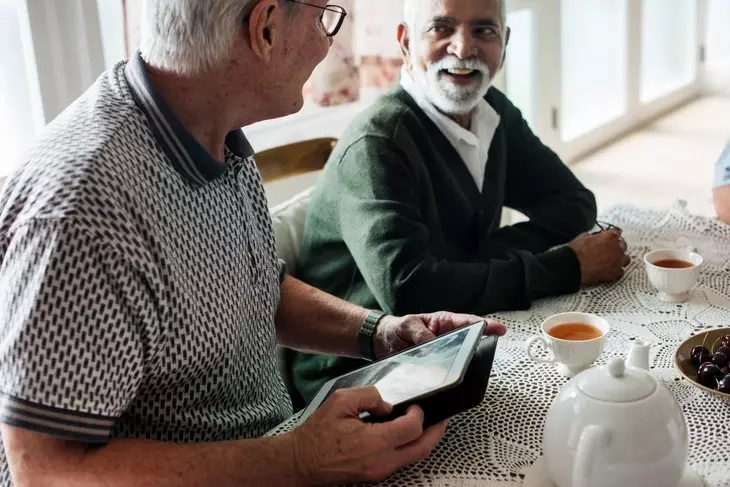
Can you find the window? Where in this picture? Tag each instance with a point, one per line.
(17, 121)
(669, 46)
(595, 62)
(718, 33)
(520, 64)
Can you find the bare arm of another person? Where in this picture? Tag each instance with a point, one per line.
(721, 190)
(721, 197)
(332, 448)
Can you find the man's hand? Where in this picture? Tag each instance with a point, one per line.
(602, 257)
(395, 333)
(336, 447)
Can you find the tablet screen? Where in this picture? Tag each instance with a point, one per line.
(414, 372)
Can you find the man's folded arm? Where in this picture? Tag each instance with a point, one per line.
(382, 225)
(542, 187)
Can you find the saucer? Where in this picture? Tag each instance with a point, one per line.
(537, 476)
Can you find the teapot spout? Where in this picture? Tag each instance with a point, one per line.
(638, 355)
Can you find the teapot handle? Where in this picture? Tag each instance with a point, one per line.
(591, 440)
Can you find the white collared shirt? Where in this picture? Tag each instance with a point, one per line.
(472, 145)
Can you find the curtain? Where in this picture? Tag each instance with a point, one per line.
(363, 62)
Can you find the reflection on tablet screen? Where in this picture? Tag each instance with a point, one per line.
(412, 373)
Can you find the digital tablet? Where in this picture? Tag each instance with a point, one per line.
(412, 375)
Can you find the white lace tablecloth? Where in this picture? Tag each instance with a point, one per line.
(493, 444)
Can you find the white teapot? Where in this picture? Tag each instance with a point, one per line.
(616, 426)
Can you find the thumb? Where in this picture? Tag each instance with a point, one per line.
(364, 399)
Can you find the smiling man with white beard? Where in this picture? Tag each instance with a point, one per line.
(406, 215)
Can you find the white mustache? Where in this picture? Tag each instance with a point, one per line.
(452, 62)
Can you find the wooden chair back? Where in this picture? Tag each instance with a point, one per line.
(294, 159)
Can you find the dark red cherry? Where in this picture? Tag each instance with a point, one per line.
(725, 342)
(726, 370)
(709, 374)
(697, 350)
(724, 385)
(720, 359)
(700, 355)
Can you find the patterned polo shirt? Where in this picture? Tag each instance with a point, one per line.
(139, 279)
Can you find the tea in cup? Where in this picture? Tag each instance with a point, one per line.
(673, 273)
(576, 340)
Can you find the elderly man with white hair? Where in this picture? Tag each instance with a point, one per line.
(141, 294)
(406, 216)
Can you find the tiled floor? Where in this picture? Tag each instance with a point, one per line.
(673, 158)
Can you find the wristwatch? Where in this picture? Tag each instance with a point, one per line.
(366, 334)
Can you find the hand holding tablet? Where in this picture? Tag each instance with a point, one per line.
(334, 446)
(445, 376)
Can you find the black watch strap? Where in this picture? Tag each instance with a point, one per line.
(367, 333)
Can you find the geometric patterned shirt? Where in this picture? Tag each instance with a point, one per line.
(139, 279)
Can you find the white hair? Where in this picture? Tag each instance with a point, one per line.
(411, 8)
(190, 36)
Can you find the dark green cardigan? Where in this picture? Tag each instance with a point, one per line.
(396, 222)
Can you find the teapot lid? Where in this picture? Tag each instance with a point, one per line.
(616, 383)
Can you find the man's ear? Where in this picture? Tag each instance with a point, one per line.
(264, 25)
(404, 42)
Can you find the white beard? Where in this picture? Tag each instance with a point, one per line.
(446, 96)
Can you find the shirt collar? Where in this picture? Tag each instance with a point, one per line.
(186, 154)
(483, 114)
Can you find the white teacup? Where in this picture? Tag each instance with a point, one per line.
(674, 284)
(571, 356)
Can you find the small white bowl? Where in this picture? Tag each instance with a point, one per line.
(674, 285)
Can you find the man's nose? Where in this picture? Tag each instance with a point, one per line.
(462, 45)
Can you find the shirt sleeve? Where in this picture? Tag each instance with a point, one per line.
(722, 168)
(388, 236)
(542, 187)
(71, 341)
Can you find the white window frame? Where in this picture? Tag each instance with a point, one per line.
(549, 74)
(318, 122)
(65, 54)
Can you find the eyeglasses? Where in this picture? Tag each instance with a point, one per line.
(605, 226)
(331, 19)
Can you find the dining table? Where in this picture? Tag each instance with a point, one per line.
(495, 443)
